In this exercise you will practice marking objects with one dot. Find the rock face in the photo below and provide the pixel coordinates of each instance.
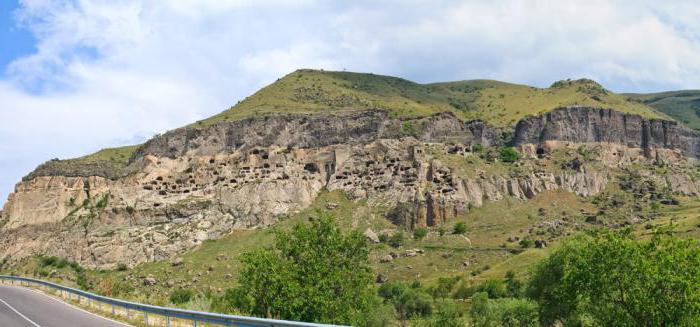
(194, 184)
(585, 125)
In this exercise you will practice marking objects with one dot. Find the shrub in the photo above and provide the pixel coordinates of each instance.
(448, 315)
(420, 233)
(477, 147)
(508, 154)
(441, 231)
(122, 267)
(493, 288)
(526, 243)
(384, 238)
(459, 228)
(413, 303)
(397, 239)
(181, 295)
(503, 312)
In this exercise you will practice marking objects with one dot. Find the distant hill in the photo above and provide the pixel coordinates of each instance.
(683, 106)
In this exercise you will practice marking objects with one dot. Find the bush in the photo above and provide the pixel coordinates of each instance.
(181, 295)
(397, 239)
(493, 288)
(459, 228)
(503, 312)
(526, 243)
(122, 267)
(508, 154)
(409, 301)
(448, 315)
(383, 238)
(441, 231)
(420, 233)
(477, 147)
(414, 303)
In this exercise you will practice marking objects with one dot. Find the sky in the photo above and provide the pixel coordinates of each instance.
(80, 75)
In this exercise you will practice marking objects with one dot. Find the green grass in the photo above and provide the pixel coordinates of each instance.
(683, 106)
(499, 103)
(118, 155)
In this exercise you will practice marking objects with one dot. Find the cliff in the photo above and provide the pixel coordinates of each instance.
(198, 183)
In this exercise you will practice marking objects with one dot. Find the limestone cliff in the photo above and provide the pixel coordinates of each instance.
(193, 184)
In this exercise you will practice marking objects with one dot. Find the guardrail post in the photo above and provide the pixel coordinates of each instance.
(167, 321)
(194, 323)
(145, 317)
(113, 310)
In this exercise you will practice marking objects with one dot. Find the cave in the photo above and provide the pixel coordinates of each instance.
(311, 167)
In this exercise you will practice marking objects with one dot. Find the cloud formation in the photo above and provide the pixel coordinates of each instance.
(115, 72)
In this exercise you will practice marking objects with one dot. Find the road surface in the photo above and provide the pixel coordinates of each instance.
(22, 307)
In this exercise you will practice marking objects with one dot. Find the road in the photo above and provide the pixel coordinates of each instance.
(22, 307)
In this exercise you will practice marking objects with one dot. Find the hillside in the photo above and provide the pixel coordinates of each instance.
(683, 106)
(497, 103)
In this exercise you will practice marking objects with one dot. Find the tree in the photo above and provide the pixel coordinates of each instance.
(314, 273)
(420, 233)
(508, 154)
(615, 280)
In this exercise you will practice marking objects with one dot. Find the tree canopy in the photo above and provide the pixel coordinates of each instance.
(611, 279)
(314, 273)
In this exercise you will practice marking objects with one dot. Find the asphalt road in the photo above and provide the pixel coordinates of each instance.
(21, 307)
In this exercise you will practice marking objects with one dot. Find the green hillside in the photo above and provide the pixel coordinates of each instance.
(498, 103)
(683, 106)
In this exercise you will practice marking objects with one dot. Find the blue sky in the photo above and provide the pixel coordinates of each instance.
(80, 75)
(15, 40)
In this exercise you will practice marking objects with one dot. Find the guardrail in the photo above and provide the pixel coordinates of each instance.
(196, 317)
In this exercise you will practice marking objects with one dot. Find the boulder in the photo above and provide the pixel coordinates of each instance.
(371, 236)
(149, 281)
(386, 258)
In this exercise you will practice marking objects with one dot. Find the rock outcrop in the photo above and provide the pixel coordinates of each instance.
(194, 184)
(587, 125)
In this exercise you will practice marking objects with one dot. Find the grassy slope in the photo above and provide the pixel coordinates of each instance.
(499, 103)
(683, 106)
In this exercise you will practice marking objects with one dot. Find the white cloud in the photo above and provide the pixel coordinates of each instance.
(112, 72)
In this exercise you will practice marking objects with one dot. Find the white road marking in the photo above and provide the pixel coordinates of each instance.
(75, 307)
(19, 313)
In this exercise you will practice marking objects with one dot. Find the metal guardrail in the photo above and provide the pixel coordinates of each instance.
(194, 316)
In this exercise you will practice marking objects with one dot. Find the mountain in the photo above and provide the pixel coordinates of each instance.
(384, 155)
(683, 106)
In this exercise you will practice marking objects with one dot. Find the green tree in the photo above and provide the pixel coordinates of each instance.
(508, 154)
(314, 273)
(615, 280)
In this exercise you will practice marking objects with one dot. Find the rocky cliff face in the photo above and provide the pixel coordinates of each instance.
(582, 125)
(193, 184)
